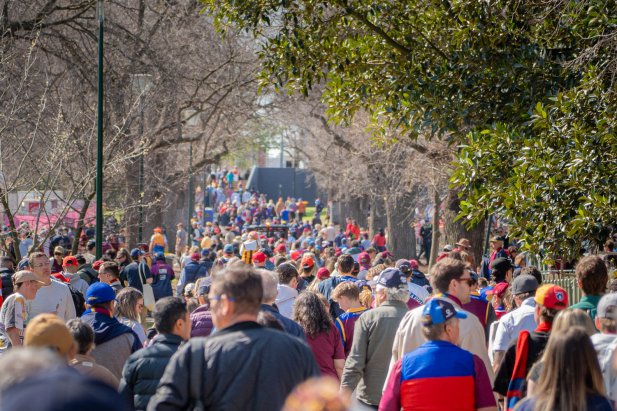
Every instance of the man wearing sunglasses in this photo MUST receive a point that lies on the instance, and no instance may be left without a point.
(452, 281)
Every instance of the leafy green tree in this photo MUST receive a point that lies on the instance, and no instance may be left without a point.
(553, 177)
(454, 68)
(414, 66)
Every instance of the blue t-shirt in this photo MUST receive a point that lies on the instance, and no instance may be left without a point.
(594, 403)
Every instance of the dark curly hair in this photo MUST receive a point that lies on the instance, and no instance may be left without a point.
(311, 314)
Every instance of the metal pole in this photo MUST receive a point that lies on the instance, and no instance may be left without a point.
(190, 210)
(140, 228)
(99, 145)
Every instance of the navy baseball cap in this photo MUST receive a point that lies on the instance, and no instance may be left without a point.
(99, 293)
(228, 249)
(391, 278)
(23, 264)
(403, 265)
(136, 252)
(441, 311)
(160, 256)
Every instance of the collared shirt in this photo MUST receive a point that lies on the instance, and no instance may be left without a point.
(409, 335)
(589, 304)
(512, 323)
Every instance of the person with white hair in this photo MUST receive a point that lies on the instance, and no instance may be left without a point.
(366, 367)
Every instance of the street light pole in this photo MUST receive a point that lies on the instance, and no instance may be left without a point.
(99, 143)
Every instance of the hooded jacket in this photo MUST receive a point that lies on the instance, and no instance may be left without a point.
(285, 299)
(114, 341)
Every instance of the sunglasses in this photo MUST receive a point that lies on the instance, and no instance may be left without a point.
(470, 281)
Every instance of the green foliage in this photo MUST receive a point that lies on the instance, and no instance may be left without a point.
(553, 177)
(538, 75)
(414, 66)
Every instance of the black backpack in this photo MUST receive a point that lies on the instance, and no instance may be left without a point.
(78, 300)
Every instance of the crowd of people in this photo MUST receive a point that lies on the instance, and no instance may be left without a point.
(302, 317)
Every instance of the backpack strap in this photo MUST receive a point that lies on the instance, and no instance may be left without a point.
(519, 373)
(140, 271)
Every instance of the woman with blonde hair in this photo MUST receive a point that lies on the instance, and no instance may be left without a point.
(571, 379)
(565, 320)
(130, 302)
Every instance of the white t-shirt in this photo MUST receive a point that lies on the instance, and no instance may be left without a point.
(54, 298)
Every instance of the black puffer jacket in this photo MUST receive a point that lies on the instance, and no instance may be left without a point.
(7, 281)
(144, 369)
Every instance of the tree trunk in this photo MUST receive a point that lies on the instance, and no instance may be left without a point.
(175, 214)
(356, 209)
(378, 218)
(4, 199)
(80, 222)
(131, 203)
(401, 234)
(455, 230)
(436, 231)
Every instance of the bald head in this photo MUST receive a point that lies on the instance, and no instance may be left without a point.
(269, 281)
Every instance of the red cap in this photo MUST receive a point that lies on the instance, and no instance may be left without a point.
(498, 289)
(295, 255)
(280, 248)
(69, 261)
(552, 296)
(414, 264)
(59, 276)
(307, 261)
(364, 258)
(97, 264)
(259, 257)
(195, 256)
(323, 273)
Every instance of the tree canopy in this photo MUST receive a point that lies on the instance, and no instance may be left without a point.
(523, 89)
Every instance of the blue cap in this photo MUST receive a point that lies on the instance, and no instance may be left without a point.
(160, 256)
(136, 252)
(205, 252)
(391, 278)
(23, 264)
(228, 249)
(99, 293)
(441, 311)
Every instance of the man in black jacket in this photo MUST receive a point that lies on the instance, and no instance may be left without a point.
(7, 269)
(243, 366)
(143, 369)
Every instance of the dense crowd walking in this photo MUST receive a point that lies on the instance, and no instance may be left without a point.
(266, 310)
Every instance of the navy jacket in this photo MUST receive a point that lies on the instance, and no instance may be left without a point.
(190, 273)
(131, 274)
(291, 327)
(144, 369)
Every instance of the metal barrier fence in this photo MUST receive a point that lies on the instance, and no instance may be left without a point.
(566, 279)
